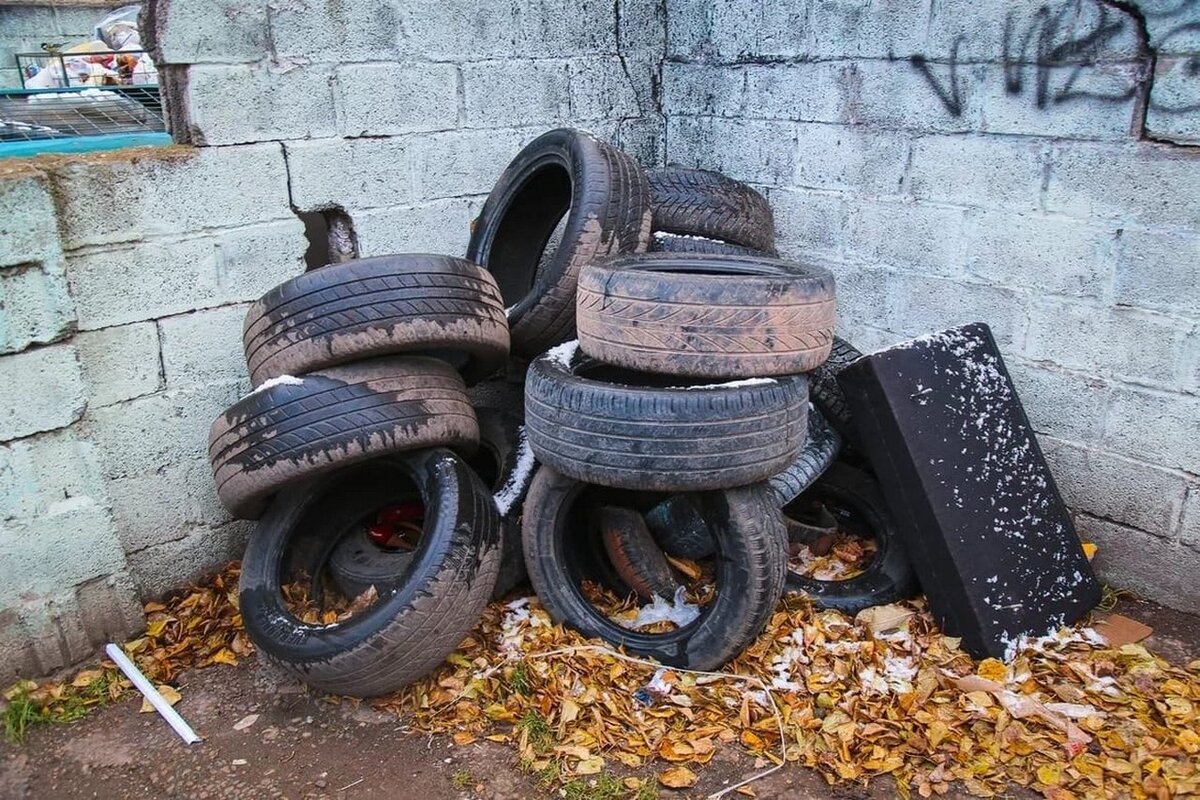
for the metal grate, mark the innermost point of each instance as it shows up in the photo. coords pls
(31, 114)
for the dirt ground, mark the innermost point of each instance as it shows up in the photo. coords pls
(304, 746)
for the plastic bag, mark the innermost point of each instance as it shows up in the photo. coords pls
(119, 29)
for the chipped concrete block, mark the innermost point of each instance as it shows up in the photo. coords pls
(204, 347)
(389, 99)
(39, 473)
(40, 390)
(120, 363)
(510, 93)
(273, 103)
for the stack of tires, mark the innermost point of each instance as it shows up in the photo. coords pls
(424, 428)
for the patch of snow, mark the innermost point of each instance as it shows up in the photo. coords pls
(563, 353)
(679, 611)
(663, 236)
(728, 384)
(282, 380)
(512, 627)
(518, 479)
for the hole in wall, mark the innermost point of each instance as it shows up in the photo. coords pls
(331, 237)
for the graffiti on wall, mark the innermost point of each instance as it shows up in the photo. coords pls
(1082, 50)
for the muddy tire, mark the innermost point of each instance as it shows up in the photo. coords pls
(855, 501)
(676, 243)
(296, 429)
(603, 194)
(604, 425)
(706, 316)
(634, 554)
(827, 394)
(416, 304)
(821, 448)
(697, 202)
(412, 626)
(750, 573)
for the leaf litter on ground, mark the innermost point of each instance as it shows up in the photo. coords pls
(853, 698)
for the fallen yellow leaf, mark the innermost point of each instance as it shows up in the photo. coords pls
(677, 778)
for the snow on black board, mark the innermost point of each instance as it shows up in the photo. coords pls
(975, 504)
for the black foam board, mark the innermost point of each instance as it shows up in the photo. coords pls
(974, 500)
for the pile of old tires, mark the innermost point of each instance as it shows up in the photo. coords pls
(423, 429)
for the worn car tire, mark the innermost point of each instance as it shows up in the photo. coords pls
(296, 428)
(827, 394)
(855, 500)
(412, 626)
(503, 464)
(706, 316)
(678, 243)
(419, 304)
(602, 192)
(601, 424)
(633, 553)
(699, 202)
(750, 573)
(821, 447)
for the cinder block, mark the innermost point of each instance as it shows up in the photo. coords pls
(150, 433)
(1131, 559)
(1081, 103)
(920, 237)
(352, 173)
(1068, 405)
(159, 569)
(440, 30)
(850, 159)
(642, 27)
(748, 150)
(865, 294)
(460, 163)
(271, 103)
(1125, 342)
(867, 338)
(1159, 427)
(810, 91)
(43, 554)
(109, 608)
(1174, 110)
(1123, 490)
(35, 307)
(1049, 254)
(689, 28)
(323, 32)
(165, 505)
(17, 659)
(600, 88)
(1157, 269)
(510, 93)
(1190, 529)
(40, 472)
(439, 226)
(565, 28)
(643, 138)
(28, 225)
(839, 28)
(924, 304)
(204, 347)
(170, 190)
(40, 390)
(120, 363)
(222, 31)
(643, 73)
(809, 223)
(987, 171)
(387, 99)
(705, 89)
(158, 278)
(1150, 183)
(52, 627)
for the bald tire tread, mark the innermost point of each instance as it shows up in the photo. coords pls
(412, 627)
(338, 416)
(629, 436)
(752, 558)
(711, 316)
(608, 212)
(700, 202)
(827, 394)
(677, 243)
(889, 577)
(378, 306)
(357, 563)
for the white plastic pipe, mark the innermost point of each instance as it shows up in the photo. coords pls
(150, 693)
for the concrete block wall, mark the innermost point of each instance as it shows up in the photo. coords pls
(1043, 182)
(126, 276)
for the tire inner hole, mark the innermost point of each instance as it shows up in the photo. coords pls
(528, 236)
(828, 540)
